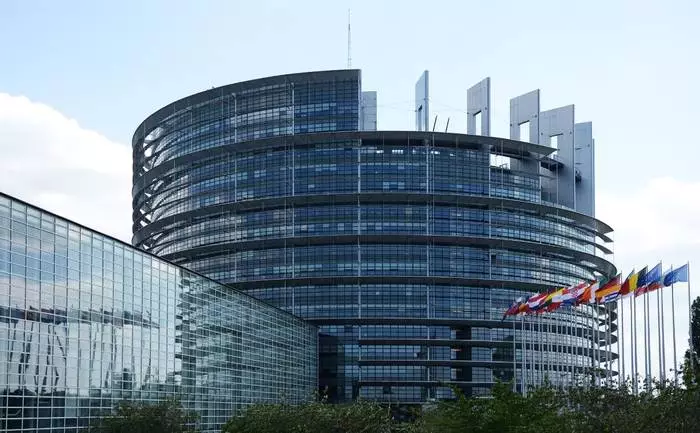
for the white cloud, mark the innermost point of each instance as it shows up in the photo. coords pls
(50, 161)
(657, 221)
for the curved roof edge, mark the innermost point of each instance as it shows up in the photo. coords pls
(205, 95)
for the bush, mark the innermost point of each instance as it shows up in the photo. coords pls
(133, 417)
(317, 417)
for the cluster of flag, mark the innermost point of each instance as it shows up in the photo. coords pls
(599, 292)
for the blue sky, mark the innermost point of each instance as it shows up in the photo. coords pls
(77, 77)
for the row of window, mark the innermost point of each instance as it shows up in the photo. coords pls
(275, 170)
(386, 259)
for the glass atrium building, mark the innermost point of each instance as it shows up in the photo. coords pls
(87, 321)
(404, 247)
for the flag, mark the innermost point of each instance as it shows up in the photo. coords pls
(523, 308)
(552, 301)
(642, 276)
(534, 303)
(630, 284)
(552, 296)
(588, 294)
(652, 281)
(568, 296)
(656, 281)
(513, 310)
(575, 292)
(610, 291)
(679, 275)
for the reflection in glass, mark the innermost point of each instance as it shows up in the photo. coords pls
(86, 321)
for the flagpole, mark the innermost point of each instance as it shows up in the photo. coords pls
(556, 362)
(648, 341)
(646, 338)
(633, 347)
(596, 354)
(536, 353)
(572, 360)
(545, 351)
(614, 364)
(608, 344)
(610, 341)
(690, 323)
(531, 371)
(565, 350)
(604, 374)
(644, 324)
(594, 344)
(557, 358)
(621, 341)
(541, 340)
(550, 351)
(663, 330)
(603, 354)
(660, 332)
(578, 343)
(523, 358)
(515, 374)
(593, 349)
(673, 330)
(601, 340)
(569, 348)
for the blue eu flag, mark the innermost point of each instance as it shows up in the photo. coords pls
(677, 276)
(653, 275)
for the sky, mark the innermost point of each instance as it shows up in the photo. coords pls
(77, 77)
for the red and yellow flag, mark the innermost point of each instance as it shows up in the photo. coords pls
(609, 291)
(630, 284)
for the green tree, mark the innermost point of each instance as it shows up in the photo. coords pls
(691, 361)
(134, 417)
(602, 409)
(505, 412)
(315, 417)
(663, 407)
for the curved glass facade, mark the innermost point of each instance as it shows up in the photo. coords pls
(87, 321)
(404, 247)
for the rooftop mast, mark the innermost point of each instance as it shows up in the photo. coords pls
(349, 56)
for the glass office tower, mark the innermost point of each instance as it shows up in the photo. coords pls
(87, 321)
(404, 247)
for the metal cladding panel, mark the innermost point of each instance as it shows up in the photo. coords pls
(422, 103)
(368, 111)
(525, 108)
(559, 122)
(479, 101)
(585, 168)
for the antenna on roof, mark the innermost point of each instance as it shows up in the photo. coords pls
(448, 124)
(349, 56)
(435, 123)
